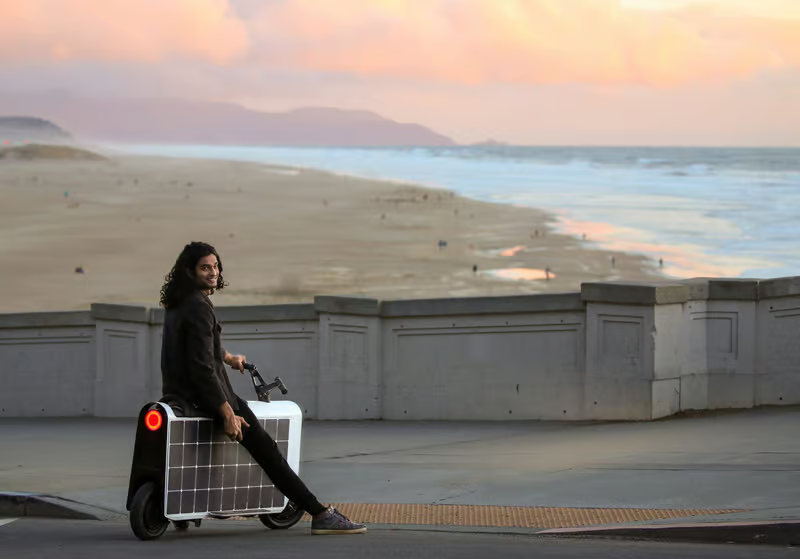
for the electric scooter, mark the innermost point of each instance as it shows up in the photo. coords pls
(186, 469)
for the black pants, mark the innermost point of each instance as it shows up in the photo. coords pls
(264, 451)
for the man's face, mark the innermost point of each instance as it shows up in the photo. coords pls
(207, 272)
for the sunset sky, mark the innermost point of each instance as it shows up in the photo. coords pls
(676, 72)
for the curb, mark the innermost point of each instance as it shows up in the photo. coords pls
(777, 532)
(767, 532)
(14, 504)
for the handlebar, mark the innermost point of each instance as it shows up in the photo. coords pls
(263, 389)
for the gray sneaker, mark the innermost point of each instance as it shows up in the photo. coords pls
(335, 522)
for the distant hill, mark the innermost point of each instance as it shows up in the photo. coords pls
(38, 152)
(491, 143)
(168, 120)
(22, 129)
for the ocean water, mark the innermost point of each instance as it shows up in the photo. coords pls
(704, 211)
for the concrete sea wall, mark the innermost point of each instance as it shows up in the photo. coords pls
(614, 351)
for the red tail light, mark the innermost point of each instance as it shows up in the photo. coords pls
(153, 420)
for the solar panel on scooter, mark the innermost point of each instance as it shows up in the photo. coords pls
(207, 472)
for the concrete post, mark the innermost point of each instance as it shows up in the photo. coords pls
(633, 349)
(720, 344)
(123, 380)
(349, 358)
(778, 339)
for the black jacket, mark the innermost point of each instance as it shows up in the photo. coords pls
(192, 365)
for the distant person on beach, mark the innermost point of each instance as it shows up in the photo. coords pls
(193, 368)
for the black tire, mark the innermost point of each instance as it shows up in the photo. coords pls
(283, 520)
(147, 517)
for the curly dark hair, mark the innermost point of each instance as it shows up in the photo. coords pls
(180, 280)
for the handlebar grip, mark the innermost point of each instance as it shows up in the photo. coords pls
(281, 386)
(249, 366)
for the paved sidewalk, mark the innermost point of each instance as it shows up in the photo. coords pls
(526, 476)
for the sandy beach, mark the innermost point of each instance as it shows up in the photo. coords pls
(74, 233)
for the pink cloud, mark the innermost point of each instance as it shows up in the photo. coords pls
(464, 41)
(120, 30)
(530, 41)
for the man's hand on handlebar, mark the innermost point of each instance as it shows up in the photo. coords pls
(236, 362)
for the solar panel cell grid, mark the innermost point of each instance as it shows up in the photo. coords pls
(209, 473)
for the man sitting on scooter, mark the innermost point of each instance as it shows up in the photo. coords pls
(193, 367)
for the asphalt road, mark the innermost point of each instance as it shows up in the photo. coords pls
(42, 539)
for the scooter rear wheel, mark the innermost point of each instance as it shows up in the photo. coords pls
(283, 520)
(147, 517)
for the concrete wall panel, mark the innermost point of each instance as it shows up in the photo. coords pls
(349, 367)
(722, 349)
(619, 361)
(47, 371)
(123, 382)
(668, 342)
(666, 397)
(285, 349)
(778, 371)
(694, 391)
(490, 367)
(730, 391)
(608, 398)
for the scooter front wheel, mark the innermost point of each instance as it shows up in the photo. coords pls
(283, 520)
(147, 517)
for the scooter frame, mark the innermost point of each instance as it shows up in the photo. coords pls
(186, 469)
